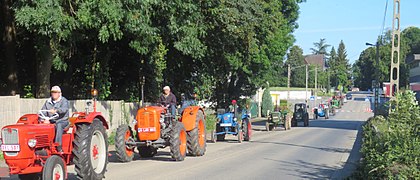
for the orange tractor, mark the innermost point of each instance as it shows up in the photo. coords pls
(30, 152)
(155, 127)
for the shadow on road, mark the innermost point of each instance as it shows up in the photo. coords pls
(327, 149)
(336, 124)
(160, 156)
(306, 170)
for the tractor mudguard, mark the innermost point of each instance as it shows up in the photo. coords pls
(82, 118)
(189, 117)
(29, 119)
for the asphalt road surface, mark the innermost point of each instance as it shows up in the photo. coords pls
(327, 149)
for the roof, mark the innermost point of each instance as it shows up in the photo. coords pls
(412, 57)
(315, 59)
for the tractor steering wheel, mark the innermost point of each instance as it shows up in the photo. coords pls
(43, 117)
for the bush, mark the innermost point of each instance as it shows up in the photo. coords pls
(111, 138)
(210, 122)
(267, 103)
(391, 146)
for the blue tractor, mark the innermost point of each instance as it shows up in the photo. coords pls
(237, 124)
(322, 111)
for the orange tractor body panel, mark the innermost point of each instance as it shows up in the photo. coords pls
(148, 123)
(189, 117)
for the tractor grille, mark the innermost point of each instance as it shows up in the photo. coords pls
(10, 136)
(42, 141)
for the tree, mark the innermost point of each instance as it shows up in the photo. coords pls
(296, 60)
(8, 41)
(320, 47)
(267, 103)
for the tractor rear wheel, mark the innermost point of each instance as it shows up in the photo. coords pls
(124, 153)
(90, 150)
(219, 137)
(196, 138)
(54, 169)
(247, 129)
(147, 151)
(306, 121)
(178, 142)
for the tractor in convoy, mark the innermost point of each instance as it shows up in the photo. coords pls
(31, 153)
(231, 122)
(278, 118)
(155, 127)
(300, 114)
(322, 111)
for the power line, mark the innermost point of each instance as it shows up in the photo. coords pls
(383, 21)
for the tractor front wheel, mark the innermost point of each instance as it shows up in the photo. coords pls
(147, 151)
(178, 142)
(90, 150)
(124, 134)
(196, 138)
(54, 169)
(247, 129)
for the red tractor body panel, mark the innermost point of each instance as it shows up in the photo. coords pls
(189, 117)
(148, 123)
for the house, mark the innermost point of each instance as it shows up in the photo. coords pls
(316, 59)
(413, 61)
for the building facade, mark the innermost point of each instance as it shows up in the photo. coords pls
(414, 63)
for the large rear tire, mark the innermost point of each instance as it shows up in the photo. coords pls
(178, 142)
(90, 150)
(54, 169)
(306, 121)
(247, 129)
(196, 138)
(124, 153)
(147, 151)
(220, 137)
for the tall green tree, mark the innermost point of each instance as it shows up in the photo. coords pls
(296, 60)
(320, 47)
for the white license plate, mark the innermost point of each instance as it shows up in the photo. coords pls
(8, 147)
(226, 124)
(149, 129)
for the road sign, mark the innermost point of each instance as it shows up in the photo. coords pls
(312, 98)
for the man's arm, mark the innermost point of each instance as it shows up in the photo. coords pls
(173, 100)
(64, 108)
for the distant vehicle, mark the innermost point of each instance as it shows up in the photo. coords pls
(300, 114)
(349, 96)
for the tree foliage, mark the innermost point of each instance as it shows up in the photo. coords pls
(218, 49)
(267, 103)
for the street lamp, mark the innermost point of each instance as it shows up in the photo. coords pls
(376, 74)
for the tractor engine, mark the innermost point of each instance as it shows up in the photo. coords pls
(23, 143)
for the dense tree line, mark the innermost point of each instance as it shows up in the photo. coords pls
(364, 67)
(218, 49)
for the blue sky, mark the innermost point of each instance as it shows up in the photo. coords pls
(353, 21)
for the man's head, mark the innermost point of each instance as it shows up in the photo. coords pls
(233, 101)
(166, 90)
(55, 92)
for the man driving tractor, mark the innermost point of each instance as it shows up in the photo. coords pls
(168, 100)
(57, 105)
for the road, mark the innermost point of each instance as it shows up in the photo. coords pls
(326, 149)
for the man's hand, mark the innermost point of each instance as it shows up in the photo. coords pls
(47, 122)
(53, 111)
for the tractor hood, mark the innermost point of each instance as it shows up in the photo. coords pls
(17, 152)
(226, 118)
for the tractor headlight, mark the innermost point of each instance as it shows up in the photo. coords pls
(32, 143)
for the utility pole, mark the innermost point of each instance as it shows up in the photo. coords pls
(288, 81)
(316, 84)
(306, 84)
(395, 50)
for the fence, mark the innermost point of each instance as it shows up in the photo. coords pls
(115, 112)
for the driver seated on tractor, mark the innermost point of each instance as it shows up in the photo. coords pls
(57, 104)
(168, 100)
(233, 108)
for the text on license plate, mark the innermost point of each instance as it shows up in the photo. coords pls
(226, 124)
(8, 147)
(148, 129)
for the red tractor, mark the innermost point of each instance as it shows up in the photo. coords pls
(155, 127)
(30, 152)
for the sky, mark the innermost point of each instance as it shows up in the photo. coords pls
(353, 21)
